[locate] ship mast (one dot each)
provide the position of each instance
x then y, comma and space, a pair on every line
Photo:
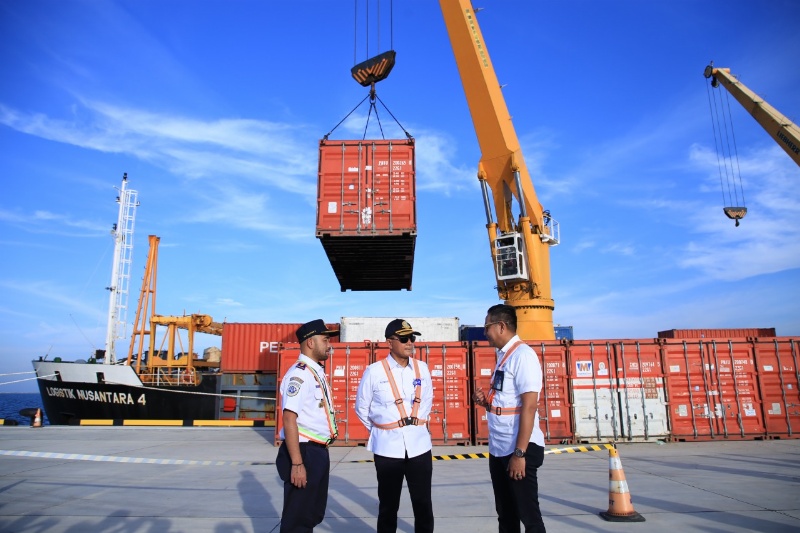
122, 232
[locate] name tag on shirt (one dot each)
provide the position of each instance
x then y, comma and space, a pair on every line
497, 382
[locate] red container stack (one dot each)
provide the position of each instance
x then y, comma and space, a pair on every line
344, 368
366, 212
555, 416
732, 333
448, 364
253, 347
555, 407
712, 390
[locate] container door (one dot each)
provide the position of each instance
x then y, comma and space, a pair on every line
366, 187
777, 364
687, 390
345, 366
449, 418
555, 409
641, 387
594, 391
483, 359
737, 408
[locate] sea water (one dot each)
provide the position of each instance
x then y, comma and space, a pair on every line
12, 402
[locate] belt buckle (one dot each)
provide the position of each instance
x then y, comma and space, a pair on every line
498, 411
408, 421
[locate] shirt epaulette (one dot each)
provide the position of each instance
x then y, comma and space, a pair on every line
301, 366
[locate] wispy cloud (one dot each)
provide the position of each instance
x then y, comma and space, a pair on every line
52, 223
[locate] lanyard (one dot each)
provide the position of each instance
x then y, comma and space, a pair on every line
326, 400
502, 365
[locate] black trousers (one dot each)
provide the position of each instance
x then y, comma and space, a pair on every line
304, 508
517, 500
418, 473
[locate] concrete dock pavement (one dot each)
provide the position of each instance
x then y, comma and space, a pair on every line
190, 479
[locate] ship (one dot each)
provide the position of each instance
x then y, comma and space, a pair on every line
168, 385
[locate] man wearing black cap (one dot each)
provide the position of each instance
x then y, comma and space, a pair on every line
394, 400
309, 427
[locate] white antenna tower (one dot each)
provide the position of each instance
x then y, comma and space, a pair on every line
121, 270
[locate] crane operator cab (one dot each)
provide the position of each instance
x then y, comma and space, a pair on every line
510, 257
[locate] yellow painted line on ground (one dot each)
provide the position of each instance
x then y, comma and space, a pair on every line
176, 423
152, 422
484, 455
579, 449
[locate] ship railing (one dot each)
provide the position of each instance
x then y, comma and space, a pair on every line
165, 376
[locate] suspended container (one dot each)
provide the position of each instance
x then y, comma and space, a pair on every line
366, 212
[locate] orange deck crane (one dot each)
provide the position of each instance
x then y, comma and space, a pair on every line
520, 247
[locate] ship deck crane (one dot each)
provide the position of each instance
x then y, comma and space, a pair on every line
520, 248
175, 367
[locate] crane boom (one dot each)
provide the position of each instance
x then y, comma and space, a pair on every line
502, 169
783, 131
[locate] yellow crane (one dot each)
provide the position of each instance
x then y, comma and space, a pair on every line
781, 129
520, 247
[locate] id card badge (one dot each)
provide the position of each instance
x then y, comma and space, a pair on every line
497, 381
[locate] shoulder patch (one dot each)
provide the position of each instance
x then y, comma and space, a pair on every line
295, 378
301, 366
292, 389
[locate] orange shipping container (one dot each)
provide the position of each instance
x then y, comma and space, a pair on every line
554, 403
253, 347
555, 408
733, 333
366, 212
712, 390
448, 364
777, 366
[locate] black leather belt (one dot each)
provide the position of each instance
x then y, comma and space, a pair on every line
316, 444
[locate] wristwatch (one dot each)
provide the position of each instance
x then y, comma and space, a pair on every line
518, 452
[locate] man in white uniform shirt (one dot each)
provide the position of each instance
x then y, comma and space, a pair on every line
393, 402
516, 443
309, 427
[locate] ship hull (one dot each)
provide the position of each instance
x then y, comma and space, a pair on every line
72, 392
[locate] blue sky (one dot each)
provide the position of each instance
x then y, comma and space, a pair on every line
215, 109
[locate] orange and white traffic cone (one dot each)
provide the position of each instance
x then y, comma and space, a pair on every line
37, 420
620, 508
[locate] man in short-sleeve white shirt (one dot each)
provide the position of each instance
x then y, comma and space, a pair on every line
309, 426
516, 443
